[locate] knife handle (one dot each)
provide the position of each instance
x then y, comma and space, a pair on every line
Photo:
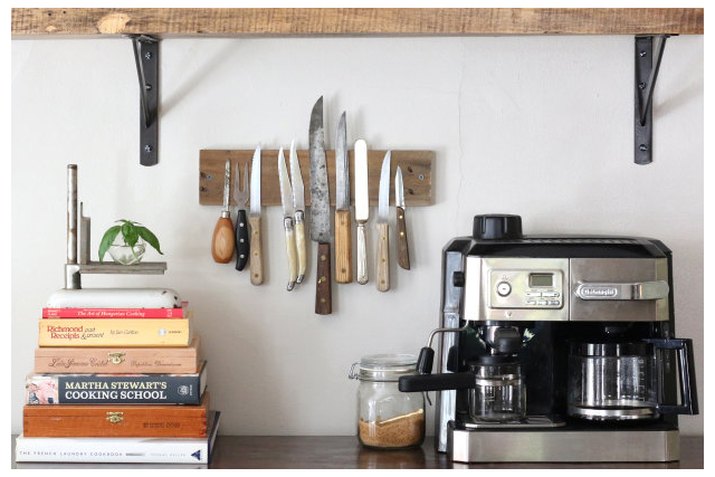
403, 251
243, 247
256, 262
291, 252
361, 253
323, 294
343, 247
222, 241
383, 257
300, 245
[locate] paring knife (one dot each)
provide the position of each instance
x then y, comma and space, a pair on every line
288, 226
343, 226
403, 251
362, 208
240, 195
222, 241
254, 219
296, 180
383, 216
320, 209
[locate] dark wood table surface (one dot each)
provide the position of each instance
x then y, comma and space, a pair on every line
342, 452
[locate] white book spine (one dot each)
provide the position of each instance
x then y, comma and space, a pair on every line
111, 450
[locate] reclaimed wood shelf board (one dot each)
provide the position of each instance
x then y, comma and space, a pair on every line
141, 268
416, 168
267, 22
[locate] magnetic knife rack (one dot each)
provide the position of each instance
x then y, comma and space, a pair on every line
417, 173
78, 245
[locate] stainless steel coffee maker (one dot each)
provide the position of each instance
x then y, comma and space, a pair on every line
556, 349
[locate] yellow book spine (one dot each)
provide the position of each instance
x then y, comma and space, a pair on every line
115, 332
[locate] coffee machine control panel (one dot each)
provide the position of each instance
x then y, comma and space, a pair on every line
526, 289
517, 288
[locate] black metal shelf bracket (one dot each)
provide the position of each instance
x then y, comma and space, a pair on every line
648, 54
146, 57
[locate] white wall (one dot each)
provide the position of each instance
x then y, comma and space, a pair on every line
539, 126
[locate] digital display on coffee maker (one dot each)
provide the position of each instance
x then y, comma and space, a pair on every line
541, 280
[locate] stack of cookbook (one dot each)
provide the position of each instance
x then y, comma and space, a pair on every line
118, 378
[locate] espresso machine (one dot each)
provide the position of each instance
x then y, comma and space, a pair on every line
556, 349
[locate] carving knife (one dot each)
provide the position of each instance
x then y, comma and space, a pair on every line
223, 241
403, 251
362, 208
383, 228
343, 226
320, 209
288, 225
296, 180
254, 219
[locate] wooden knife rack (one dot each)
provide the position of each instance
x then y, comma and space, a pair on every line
416, 171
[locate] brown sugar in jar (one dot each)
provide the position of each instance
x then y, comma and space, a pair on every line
388, 418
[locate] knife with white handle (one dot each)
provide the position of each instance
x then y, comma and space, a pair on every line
362, 208
403, 251
383, 228
296, 180
254, 219
288, 226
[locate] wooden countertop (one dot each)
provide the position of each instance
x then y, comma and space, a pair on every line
341, 452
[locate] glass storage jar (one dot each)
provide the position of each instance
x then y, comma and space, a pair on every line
388, 418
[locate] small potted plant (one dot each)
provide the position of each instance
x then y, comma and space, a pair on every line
125, 242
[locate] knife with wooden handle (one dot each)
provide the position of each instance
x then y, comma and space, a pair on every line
383, 228
343, 225
223, 241
362, 208
288, 225
403, 251
296, 180
254, 219
320, 210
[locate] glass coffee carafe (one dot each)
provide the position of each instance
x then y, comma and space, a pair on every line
619, 381
499, 394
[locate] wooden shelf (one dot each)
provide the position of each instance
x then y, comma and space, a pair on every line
141, 268
267, 22
416, 172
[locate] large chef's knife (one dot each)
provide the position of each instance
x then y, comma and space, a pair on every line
223, 240
254, 219
320, 209
288, 225
383, 216
362, 208
343, 226
403, 251
296, 180
240, 195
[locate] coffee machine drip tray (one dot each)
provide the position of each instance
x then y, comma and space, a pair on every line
530, 422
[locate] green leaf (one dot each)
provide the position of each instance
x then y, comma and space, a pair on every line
107, 240
149, 237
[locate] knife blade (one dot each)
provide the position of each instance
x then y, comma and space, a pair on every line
362, 208
320, 209
254, 219
343, 226
223, 240
403, 251
383, 228
288, 225
296, 179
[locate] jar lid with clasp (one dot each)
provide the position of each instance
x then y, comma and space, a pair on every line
383, 367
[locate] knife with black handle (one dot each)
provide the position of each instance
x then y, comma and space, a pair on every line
240, 195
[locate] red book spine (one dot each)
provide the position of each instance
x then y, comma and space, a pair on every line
113, 313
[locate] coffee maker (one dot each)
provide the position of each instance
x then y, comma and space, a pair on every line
556, 349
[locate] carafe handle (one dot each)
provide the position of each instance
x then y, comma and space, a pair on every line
686, 378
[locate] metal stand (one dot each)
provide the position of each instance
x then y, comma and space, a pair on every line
648, 54
146, 57
79, 263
